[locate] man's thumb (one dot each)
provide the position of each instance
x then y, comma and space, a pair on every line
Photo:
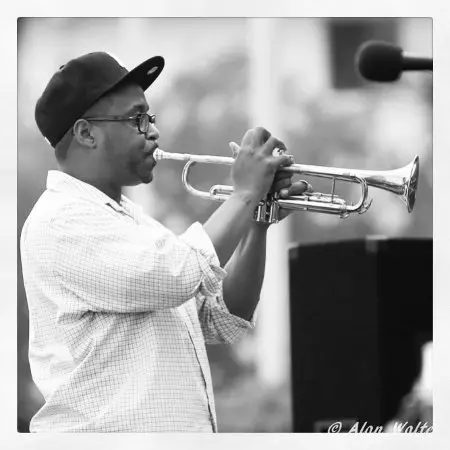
234, 148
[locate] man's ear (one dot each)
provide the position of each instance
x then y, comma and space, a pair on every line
83, 133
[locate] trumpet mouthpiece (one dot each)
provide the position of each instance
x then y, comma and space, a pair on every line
158, 154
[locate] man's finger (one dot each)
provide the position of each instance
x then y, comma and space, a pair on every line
247, 140
279, 185
271, 144
277, 162
297, 188
281, 175
260, 136
234, 149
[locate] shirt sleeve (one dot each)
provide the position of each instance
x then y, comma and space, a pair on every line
112, 264
218, 325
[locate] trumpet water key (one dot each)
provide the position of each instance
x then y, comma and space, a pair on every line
402, 182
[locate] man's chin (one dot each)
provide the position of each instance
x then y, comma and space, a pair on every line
140, 179
147, 178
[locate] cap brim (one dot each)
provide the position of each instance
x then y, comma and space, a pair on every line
146, 73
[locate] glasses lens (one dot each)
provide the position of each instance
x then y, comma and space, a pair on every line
143, 123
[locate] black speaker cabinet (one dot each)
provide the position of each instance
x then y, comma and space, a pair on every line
360, 311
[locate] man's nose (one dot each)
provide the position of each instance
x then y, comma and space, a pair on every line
152, 132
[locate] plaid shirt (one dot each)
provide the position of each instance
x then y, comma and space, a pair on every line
120, 309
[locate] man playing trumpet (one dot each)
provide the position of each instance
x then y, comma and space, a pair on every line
120, 308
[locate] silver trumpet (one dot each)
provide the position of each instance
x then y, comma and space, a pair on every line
402, 182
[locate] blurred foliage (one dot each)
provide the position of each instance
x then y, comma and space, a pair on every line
208, 107
206, 110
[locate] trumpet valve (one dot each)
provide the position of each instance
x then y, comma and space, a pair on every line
260, 212
268, 210
274, 209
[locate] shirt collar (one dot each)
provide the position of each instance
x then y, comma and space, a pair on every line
62, 182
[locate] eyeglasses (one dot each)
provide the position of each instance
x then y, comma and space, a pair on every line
142, 120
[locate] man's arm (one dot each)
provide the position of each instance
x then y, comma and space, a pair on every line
114, 266
252, 174
226, 318
242, 286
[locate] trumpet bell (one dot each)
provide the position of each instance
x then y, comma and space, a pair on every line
412, 184
402, 182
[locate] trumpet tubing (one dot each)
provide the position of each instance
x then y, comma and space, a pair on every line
402, 182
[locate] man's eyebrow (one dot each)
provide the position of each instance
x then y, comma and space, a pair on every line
138, 108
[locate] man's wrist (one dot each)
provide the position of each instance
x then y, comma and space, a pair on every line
247, 199
259, 227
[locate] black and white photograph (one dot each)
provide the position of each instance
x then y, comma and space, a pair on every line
218, 225
226, 232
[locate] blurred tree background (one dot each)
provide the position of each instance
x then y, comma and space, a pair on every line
362, 126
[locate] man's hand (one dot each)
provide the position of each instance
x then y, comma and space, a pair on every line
282, 181
255, 166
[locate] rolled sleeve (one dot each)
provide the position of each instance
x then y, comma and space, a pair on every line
218, 324
198, 239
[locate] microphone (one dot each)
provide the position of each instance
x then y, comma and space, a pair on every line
382, 61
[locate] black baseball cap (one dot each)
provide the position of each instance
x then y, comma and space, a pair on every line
80, 83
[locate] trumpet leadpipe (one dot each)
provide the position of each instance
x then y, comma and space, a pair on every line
186, 157
207, 159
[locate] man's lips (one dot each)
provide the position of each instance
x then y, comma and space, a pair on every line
150, 149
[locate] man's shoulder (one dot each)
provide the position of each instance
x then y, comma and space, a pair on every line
54, 206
